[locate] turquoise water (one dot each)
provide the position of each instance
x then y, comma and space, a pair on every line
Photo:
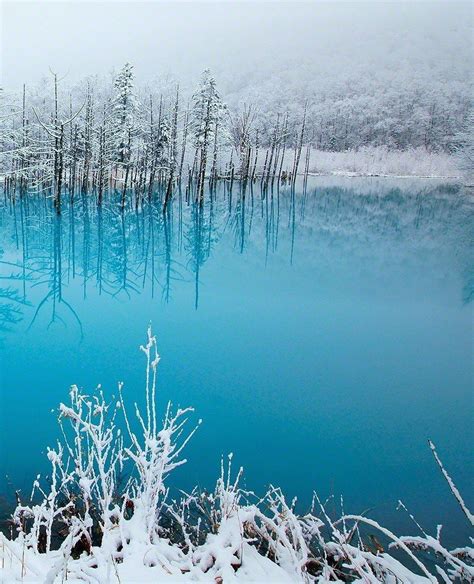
322, 336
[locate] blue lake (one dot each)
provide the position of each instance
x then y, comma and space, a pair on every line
322, 335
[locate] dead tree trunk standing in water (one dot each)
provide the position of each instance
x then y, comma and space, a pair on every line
284, 137
273, 147
102, 162
24, 146
173, 151
88, 129
213, 178
72, 151
56, 133
306, 166
247, 164
153, 146
127, 165
256, 156
299, 147
58, 139
183, 145
204, 148
59, 163
74, 144
264, 170
101, 165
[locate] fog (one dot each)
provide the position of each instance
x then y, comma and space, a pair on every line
237, 40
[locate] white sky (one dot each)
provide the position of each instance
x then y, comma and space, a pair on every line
80, 38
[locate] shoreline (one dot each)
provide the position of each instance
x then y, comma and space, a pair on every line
348, 174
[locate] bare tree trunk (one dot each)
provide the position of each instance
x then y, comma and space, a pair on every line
183, 145
88, 128
23, 165
256, 156
203, 162
127, 171
214, 158
173, 151
59, 175
265, 165
285, 130
299, 147
101, 170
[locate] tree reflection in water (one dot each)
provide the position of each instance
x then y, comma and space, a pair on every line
123, 253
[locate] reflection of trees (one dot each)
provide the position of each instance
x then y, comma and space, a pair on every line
200, 237
239, 222
150, 259
53, 278
11, 303
120, 274
13, 296
122, 254
167, 225
39, 264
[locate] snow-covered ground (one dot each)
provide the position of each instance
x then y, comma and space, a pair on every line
380, 161
105, 515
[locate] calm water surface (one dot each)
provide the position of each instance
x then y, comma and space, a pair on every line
322, 337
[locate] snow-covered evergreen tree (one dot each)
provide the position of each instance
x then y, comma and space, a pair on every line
208, 107
208, 122
124, 110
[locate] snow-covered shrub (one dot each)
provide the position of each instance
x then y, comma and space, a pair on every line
106, 515
465, 150
381, 161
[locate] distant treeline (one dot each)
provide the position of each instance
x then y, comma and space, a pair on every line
118, 137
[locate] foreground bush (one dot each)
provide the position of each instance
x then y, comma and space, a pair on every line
106, 515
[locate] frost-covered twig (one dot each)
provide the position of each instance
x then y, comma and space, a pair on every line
452, 486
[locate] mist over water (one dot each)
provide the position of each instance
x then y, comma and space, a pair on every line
322, 335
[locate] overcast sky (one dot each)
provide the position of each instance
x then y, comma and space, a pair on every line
80, 38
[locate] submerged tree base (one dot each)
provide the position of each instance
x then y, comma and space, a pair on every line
106, 515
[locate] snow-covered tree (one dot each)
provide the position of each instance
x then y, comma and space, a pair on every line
117, 141
465, 151
124, 109
208, 119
